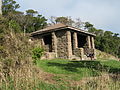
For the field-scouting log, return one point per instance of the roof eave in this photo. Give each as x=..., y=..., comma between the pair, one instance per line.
x=56, y=29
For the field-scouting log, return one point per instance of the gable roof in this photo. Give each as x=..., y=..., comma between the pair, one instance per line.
x=59, y=27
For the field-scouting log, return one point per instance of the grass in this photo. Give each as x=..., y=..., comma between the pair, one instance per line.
x=76, y=70
x=83, y=75
x=39, y=86
x=64, y=75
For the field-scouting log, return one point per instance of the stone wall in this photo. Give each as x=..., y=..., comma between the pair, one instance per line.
x=46, y=48
x=62, y=49
x=79, y=52
x=49, y=55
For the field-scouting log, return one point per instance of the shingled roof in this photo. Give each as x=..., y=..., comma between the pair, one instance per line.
x=57, y=27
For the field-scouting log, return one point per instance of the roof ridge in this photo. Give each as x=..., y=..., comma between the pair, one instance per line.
x=59, y=26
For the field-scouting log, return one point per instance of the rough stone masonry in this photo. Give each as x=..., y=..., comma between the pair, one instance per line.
x=66, y=42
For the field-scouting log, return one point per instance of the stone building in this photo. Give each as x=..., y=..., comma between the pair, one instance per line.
x=62, y=41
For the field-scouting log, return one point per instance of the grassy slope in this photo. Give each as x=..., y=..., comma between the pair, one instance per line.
x=76, y=70
x=105, y=56
x=73, y=74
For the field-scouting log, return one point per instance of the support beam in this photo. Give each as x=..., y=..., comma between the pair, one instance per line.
x=82, y=53
x=89, y=42
x=75, y=40
x=42, y=42
x=93, y=47
x=92, y=42
x=69, y=47
x=54, y=43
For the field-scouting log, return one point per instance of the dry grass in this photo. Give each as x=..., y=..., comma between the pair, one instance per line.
x=29, y=77
x=18, y=73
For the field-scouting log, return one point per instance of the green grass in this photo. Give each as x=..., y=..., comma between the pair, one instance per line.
x=111, y=63
x=76, y=70
x=67, y=75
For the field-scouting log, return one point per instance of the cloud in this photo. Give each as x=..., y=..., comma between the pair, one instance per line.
x=103, y=14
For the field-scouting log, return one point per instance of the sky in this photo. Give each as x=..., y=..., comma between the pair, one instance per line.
x=103, y=14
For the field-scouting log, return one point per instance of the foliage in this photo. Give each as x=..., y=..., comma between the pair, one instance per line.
x=31, y=12
x=106, y=41
x=14, y=26
x=34, y=23
x=64, y=20
x=27, y=23
x=37, y=53
x=3, y=30
x=9, y=6
x=67, y=21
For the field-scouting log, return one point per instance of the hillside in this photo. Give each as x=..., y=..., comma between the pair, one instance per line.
x=105, y=56
x=19, y=72
x=22, y=69
x=84, y=75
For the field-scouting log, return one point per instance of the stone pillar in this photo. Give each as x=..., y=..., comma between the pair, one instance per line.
x=92, y=42
x=88, y=42
x=54, y=43
x=75, y=40
x=42, y=42
x=69, y=47
x=82, y=53
x=93, y=47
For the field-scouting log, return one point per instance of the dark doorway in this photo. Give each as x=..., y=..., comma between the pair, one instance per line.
x=81, y=40
x=48, y=41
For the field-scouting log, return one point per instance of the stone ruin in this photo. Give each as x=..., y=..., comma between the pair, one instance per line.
x=65, y=42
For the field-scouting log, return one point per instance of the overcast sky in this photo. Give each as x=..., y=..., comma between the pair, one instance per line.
x=104, y=14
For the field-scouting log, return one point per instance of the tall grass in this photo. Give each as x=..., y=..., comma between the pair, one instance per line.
x=67, y=75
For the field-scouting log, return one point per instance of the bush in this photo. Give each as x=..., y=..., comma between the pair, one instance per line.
x=37, y=53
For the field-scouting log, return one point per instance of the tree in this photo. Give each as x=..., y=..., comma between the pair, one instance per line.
x=31, y=12
x=108, y=34
x=106, y=41
x=33, y=23
x=14, y=26
x=65, y=20
x=116, y=34
x=9, y=6
x=78, y=23
x=40, y=22
x=88, y=25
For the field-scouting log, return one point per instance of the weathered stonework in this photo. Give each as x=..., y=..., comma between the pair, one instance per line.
x=93, y=46
x=92, y=42
x=66, y=43
x=46, y=48
x=54, y=43
x=69, y=47
x=75, y=40
x=88, y=42
x=62, y=49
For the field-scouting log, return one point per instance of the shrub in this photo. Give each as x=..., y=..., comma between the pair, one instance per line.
x=37, y=53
